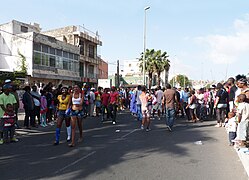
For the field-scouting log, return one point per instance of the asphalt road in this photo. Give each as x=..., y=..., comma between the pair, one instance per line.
x=124, y=152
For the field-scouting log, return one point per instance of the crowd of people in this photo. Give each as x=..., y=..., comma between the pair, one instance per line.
x=46, y=105
x=226, y=102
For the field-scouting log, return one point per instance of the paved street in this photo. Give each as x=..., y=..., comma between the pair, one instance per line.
x=123, y=151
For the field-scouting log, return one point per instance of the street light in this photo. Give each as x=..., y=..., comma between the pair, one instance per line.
x=145, y=9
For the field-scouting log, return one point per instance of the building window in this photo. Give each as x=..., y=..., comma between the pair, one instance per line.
x=65, y=54
x=52, y=51
x=24, y=29
x=45, y=60
x=90, y=69
x=81, y=46
x=59, y=62
x=91, y=51
x=44, y=48
x=37, y=46
x=65, y=65
x=76, y=57
x=81, y=69
x=37, y=58
x=58, y=52
x=52, y=61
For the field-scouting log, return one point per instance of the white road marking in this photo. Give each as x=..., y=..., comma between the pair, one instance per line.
x=129, y=133
x=75, y=162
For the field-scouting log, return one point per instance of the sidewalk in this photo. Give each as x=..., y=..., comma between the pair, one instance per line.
x=243, y=154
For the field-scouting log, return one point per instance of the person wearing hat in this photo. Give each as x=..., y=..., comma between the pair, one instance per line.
x=6, y=98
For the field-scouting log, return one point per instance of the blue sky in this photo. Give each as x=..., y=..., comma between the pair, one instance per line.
x=206, y=39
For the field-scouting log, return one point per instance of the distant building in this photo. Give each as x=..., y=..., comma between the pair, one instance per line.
x=88, y=43
x=131, y=68
x=132, y=74
x=47, y=59
x=103, y=70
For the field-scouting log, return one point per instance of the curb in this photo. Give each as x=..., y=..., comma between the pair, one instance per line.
x=244, y=158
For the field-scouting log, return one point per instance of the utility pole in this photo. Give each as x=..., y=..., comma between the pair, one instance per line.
x=184, y=82
x=118, y=79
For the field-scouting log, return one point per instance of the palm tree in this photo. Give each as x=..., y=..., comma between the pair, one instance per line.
x=155, y=62
x=161, y=63
x=149, y=64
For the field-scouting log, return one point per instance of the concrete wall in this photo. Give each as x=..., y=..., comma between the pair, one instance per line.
x=10, y=46
x=6, y=47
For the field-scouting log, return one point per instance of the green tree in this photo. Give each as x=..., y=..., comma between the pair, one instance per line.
x=23, y=67
x=180, y=80
x=161, y=63
x=155, y=62
x=149, y=64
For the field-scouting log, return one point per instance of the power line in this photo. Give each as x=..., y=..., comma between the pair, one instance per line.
x=15, y=35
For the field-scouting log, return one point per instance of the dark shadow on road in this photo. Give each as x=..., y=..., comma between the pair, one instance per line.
x=103, y=147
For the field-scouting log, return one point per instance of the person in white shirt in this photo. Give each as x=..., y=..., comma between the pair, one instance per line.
x=37, y=102
x=231, y=127
x=91, y=102
x=243, y=119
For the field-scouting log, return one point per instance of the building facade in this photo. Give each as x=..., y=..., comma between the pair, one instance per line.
x=132, y=74
x=103, y=70
x=88, y=43
x=47, y=59
x=62, y=56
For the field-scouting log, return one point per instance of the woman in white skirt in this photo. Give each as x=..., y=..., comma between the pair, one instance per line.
x=243, y=119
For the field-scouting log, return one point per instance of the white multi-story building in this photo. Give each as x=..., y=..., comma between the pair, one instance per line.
x=131, y=68
x=132, y=73
x=61, y=55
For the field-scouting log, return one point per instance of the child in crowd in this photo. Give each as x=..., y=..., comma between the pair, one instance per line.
x=243, y=119
x=8, y=124
x=43, y=109
x=231, y=126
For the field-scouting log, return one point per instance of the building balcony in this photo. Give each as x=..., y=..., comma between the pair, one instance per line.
x=89, y=59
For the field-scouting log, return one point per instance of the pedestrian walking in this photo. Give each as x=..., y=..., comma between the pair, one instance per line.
x=192, y=105
x=44, y=108
x=63, y=101
x=171, y=101
x=138, y=103
x=159, y=97
x=91, y=102
x=145, y=109
x=105, y=99
x=75, y=106
x=113, y=104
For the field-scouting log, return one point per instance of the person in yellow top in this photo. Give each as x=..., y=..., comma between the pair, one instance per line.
x=63, y=101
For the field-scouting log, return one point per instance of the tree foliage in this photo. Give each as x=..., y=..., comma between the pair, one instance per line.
x=180, y=80
x=155, y=62
x=23, y=67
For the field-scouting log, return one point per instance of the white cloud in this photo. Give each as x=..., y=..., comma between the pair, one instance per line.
x=227, y=49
